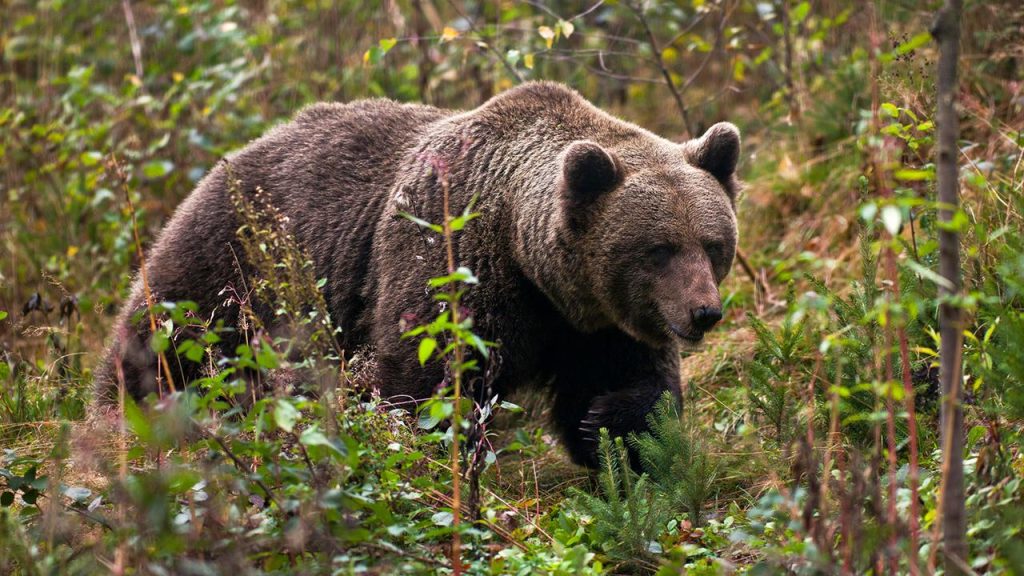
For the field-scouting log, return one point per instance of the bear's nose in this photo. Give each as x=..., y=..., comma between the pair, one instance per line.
x=704, y=317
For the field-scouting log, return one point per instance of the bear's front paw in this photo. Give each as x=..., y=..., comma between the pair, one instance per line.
x=621, y=412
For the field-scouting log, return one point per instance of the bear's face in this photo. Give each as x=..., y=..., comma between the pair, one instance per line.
x=656, y=231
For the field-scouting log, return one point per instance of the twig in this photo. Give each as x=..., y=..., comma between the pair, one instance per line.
x=759, y=287
x=237, y=461
x=143, y=276
x=487, y=45
x=305, y=458
x=133, y=36
x=403, y=553
x=660, y=61
x=877, y=160
x=794, y=104
x=588, y=10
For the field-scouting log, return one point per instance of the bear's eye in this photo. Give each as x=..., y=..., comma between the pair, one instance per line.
x=715, y=251
x=660, y=255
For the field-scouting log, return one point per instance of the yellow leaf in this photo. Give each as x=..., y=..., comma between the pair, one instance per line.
x=567, y=28
x=182, y=9
x=366, y=57
x=528, y=61
x=738, y=70
x=178, y=77
x=547, y=34
x=72, y=250
x=787, y=170
x=669, y=55
x=449, y=34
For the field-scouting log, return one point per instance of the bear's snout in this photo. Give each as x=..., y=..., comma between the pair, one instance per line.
x=705, y=317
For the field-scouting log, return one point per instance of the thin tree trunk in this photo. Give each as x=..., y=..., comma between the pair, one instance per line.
x=787, y=42
x=946, y=32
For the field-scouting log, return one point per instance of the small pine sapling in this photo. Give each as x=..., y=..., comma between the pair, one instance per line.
x=677, y=459
x=628, y=513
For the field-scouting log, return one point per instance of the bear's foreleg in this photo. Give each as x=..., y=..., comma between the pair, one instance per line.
x=609, y=382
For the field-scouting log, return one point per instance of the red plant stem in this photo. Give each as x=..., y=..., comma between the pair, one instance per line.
x=879, y=170
x=457, y=378
x=161, y=357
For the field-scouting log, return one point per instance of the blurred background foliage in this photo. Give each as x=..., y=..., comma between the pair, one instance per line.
x=108, y=107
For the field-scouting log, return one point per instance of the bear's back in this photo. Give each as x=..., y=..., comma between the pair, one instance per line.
x=334, y=182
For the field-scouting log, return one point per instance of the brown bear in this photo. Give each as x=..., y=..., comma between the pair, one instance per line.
x=599, y=246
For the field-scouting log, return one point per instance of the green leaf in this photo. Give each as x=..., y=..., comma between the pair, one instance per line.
x=192, y=350
x=376, y=53
x=458, y=223
x=800, y=12
x=421, y=222
x=266, y=358
x=285, y=415
x=914, y=43
x=3, y=314
x=137, y=421
x=434, y=412
x=929, y=274
x=373, y=55
x=6, y=499
x=510, y=407
x=159, y=342
x=312, y=436
x=427, y=347
x=478, y=343
x=913, y=175
x=414, y=332
x=890, y=110
x=90, y=158
x=462, y=274
x=157, y=169
x=975, y=434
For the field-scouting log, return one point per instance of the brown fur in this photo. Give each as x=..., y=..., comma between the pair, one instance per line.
x=597, y=246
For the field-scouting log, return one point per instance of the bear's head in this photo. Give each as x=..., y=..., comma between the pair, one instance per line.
x=653, y=228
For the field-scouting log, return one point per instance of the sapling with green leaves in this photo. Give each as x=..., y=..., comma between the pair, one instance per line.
x=448, y=337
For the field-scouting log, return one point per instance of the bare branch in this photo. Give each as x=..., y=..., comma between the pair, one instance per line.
x=676, y=94
x=133, y=36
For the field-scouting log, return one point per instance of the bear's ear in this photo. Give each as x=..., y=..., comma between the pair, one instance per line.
x=717, y=151
x=588, y=171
